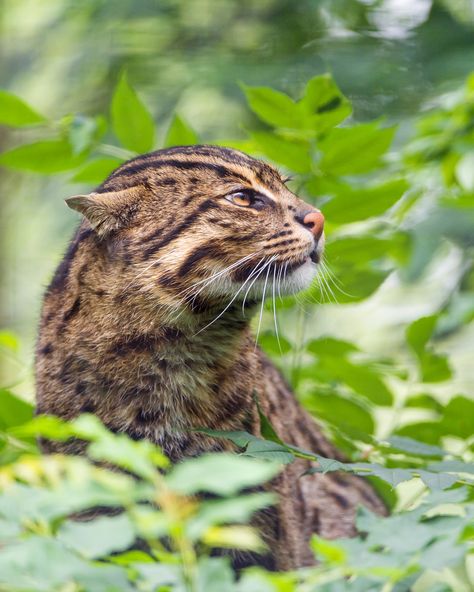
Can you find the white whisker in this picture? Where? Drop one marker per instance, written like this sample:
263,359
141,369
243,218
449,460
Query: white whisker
213,277
263,302
155,262
274,309
226,308
253,282
332,276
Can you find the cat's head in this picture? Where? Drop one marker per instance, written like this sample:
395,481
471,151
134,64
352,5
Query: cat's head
198,223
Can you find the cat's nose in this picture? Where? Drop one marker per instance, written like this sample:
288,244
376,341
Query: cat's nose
313,221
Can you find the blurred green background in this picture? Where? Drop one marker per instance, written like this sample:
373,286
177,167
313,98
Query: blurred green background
380,351
392,58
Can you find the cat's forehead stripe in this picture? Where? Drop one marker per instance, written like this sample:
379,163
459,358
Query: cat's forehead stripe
223,162
220,169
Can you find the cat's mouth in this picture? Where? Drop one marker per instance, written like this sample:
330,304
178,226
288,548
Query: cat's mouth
315,256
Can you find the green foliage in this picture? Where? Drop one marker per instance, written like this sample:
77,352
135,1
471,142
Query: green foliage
433,367
180,133
95,171
48,156
322,107
352,205
41,546
132,123
381,410
15,112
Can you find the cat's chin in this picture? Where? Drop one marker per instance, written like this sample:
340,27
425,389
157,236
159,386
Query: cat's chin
297,280
300,278
251,291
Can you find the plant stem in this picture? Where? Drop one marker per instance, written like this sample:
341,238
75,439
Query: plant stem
116,151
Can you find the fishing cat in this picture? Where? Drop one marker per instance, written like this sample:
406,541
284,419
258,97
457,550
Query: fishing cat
146,323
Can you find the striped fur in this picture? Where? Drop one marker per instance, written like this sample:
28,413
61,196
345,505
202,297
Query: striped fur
146,323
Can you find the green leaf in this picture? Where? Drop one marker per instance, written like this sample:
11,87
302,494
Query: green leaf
269,450
48,426
433,367
361,379
452,466
273,107
132,123
83,132
437,480
414,447
43,564
159,577
98,537
354,261
392,476
274,345
16,113
239,438
323,104
223,474
348,415
235,510
180,133
424,401
430,432
329,346
465,172
215,575
266,429
458,417
9,340
140,457
95,171
294,154
13,410
233,537
420,332
46,157
359,250
350,205
355,150
330,551
447,548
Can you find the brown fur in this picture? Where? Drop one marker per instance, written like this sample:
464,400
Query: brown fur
124,330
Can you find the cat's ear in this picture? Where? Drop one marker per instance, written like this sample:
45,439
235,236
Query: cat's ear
106,211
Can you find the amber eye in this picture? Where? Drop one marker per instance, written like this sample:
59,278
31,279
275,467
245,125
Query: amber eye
240,198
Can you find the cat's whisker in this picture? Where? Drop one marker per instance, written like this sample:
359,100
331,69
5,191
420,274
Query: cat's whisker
284,276
142,272
208,280
280,273
253,282
274,309
322,289
226,308
328,276
329,289
263,301
335,280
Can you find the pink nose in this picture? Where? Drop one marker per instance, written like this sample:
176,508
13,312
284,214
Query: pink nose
315,222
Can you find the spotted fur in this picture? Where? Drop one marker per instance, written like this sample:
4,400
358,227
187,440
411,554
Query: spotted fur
146,324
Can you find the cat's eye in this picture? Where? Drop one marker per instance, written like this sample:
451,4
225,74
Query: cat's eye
240,198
